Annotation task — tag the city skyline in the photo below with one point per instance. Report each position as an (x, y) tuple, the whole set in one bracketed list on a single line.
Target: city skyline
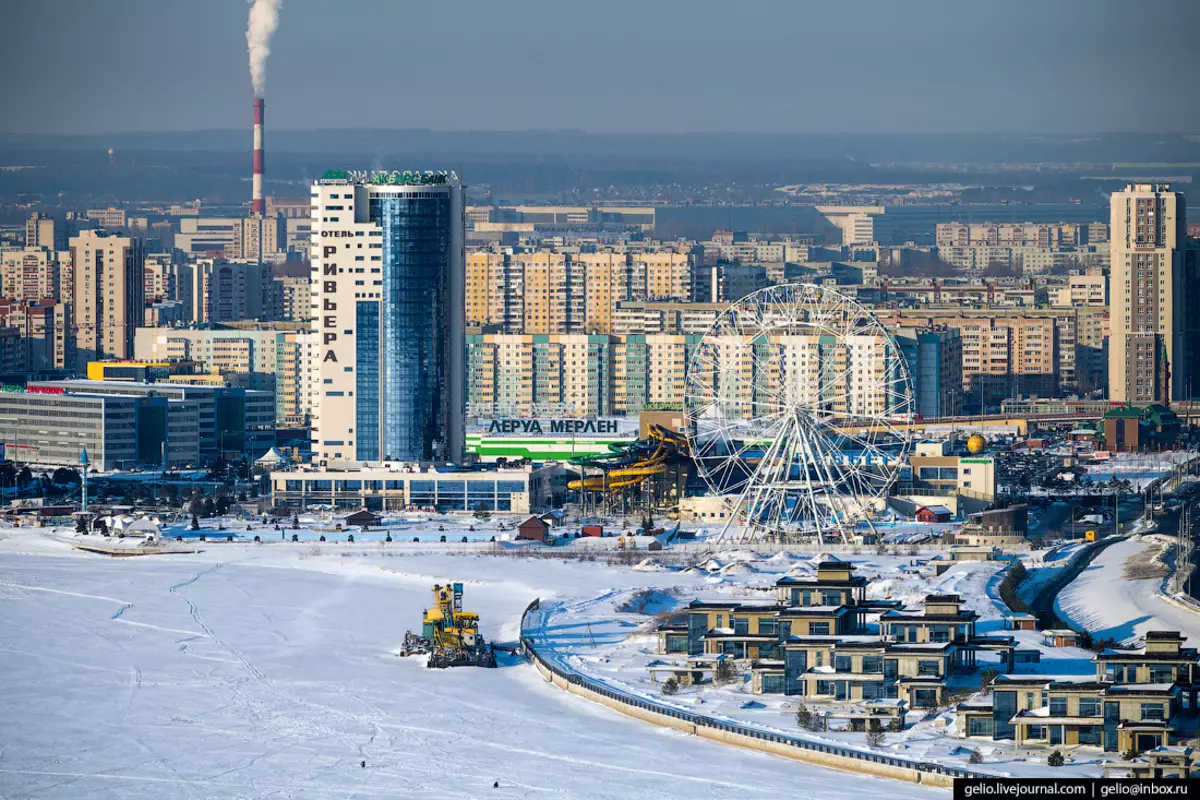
[(820, 68)]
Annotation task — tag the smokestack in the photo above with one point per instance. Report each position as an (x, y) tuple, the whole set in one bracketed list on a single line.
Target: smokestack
[(258, 205)]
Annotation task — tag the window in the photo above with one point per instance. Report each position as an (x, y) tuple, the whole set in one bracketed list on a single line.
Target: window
[(1162, 673), (741, 626), (768, 626), (841, 664), (1089, 706), (925, 667), (824, 687), (872, 664), (1152, 712), (980, 726), (1058, 706), (818, 629)]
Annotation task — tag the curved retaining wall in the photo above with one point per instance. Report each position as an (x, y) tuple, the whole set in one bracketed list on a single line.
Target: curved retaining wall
[(813, 752)]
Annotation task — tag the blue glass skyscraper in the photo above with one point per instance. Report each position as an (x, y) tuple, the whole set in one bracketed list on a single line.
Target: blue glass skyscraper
[(389, 287)]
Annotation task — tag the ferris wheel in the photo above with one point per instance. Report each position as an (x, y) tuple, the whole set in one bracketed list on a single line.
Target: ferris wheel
[(799, 408)]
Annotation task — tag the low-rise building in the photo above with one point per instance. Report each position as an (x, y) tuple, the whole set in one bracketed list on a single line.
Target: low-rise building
[(1135, 701), (396, 486)]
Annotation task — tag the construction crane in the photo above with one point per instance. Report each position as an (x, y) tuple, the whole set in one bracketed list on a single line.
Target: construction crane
[(448, 634)]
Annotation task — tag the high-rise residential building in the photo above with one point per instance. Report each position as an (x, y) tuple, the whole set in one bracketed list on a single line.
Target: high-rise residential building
[(47, 232), (934, 358), (388, 299), (597, 375), (167, 279), (30, 274), (1153, 330), (1083, 290), (1006, 353), (235, 238), (224, 291), (295, 297), (548, 291), (45, 329), (108, 295)]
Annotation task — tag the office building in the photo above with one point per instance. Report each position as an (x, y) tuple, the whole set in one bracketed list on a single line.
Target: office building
[(507, 223), (51, 427), (858, 225), (230, 422), (388, 295), (1153, 341), (108, 298)]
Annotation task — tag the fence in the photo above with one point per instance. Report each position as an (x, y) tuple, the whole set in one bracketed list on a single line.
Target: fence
[(822, 753)]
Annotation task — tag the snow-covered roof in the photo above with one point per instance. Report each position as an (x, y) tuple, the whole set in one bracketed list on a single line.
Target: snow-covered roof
[(1134, 688)]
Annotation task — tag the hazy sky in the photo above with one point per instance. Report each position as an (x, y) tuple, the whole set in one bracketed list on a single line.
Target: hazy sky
[(80, 66)]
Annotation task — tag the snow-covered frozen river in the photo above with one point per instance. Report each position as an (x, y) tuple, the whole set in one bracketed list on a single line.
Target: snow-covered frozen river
[(259, 672)]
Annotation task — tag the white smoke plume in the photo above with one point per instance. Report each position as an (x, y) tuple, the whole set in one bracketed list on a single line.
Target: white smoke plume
[(264, 19)]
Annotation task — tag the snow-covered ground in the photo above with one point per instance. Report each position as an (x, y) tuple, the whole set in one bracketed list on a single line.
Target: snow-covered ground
[(604, 638), (267, 671), (1140, 469), (1107, 604)]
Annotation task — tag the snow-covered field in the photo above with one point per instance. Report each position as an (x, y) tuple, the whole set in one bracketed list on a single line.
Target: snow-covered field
[(1140, 469), (1107, 604), (266, 671)]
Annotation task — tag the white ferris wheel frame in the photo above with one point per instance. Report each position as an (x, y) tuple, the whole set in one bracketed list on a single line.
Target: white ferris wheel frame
[(825, 461)]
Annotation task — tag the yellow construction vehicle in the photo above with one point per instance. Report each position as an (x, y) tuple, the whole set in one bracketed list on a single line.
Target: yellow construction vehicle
[(448, 634)]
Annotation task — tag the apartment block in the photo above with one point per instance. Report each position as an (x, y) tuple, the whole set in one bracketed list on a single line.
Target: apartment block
[(263, 356), (1003, 354), (32, 273), (234, 238), (1155, 332), (224, 291), (108, 297), (1020, 234), (545, 291), (1083, 290), (46, 339)]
